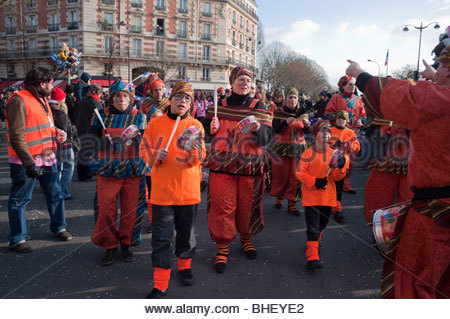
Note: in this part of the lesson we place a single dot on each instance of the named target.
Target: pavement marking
(366, 292)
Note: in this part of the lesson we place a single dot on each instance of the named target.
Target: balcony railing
(107, 27)
(109, 2)
(246, 9)
(31, 28)
(207, 79)
(241, 46)
(10, 30)
(246, 48)
(159, 30)
(72, 1)
(182, 56)
(137, 53)
(158, 7)
(182, 34)
(233, 42)
(52, 2)
(53, 27)
(206, 36)
(136, 4)
(253, 51)
(206, 58)
(182, 10)
(136, 29)
(72, 25)
(207, 14)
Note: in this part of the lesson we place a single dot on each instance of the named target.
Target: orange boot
(312, 255)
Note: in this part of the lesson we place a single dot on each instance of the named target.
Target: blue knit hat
(118, 86)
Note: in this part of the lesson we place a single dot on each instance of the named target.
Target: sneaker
(22, 248)
(187, 278)
(108, 257)
(157, 294)
(314, 264)
(338, 217)
(64, 235)
(220, 267)
(127, 255)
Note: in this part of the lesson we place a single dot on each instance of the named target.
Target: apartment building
(195, 40)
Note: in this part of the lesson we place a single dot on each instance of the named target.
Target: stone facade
(197, 40)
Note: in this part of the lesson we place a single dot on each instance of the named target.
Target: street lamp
(122, 24)
(436, 26)
(376, 64)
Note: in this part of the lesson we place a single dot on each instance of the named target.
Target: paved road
(72, 270)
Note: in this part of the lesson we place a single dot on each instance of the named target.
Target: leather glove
(321, 183)
(32, 171)
(340, 162)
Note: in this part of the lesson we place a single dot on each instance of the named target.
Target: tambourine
(129, 133)
(245, 125)
(187, 138)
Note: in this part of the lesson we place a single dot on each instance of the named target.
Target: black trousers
(166, 219)
(316, 218)
(84, 172)
(339, 186)
(148, 180)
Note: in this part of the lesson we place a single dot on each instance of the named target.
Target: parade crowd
(145, 149)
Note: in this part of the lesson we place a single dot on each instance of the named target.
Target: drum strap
(434, 208)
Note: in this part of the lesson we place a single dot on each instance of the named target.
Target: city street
(72, 269)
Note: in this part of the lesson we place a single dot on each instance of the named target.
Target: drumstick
(173, 132)
(215, 102)
(103, 124)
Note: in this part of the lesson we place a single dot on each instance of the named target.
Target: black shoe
(68, 198)
(251, 254)
(22, 248)
(64, 236)
(339, 217)
(127, 255)
(157, 294)
(350, 191)
(220, 267)
(149, 229)
(314, 264)
(187, 278)
(108, 258)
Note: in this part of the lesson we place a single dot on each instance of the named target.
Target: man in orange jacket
(32, 138)
(175, 191)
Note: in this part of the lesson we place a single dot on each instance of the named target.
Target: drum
(129, 133)
(244, 125)
(383, 223)
(189, 135)
(334, 158)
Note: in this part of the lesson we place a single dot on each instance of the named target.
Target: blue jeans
(20, 195)
(65, 164)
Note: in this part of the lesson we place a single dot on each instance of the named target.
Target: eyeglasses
(181, 96)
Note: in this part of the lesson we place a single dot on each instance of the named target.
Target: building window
(182, 27)
(30, 4)
(53, 23)
(240, 58)
(206, 53)
(53, 44)
(32, 47)
(52, 2)
(241, 42)
(11, 48)
(108, 2)
(108, 45)
(183, 6)
(136, 24)
(241, 22)
(159, 49)
(72, 23)
(72, 1)
(247, 29)
(205, 75)
(31, 24)
(108, 67)
(137, 52)
(233, 38)
(159, 26)
(182, 72)
(136, 3)
(234, 17)
(207, 9)
(160, 5)
(107, 21)
(10, 25)
(206, 32)
(73, 41)
(232, 56)
(182, 51)
(11, 70)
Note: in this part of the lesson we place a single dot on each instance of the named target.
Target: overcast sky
(330, 31)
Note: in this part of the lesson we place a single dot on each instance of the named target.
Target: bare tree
(405, 72)
(282, 66)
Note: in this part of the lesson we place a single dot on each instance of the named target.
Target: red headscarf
(237, 72)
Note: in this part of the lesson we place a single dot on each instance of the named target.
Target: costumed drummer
(347, 101)
(236, 162)
(175, 191)
(120, 171)
(154, 92)
(286, 150)
(318, 174)
(418, 260)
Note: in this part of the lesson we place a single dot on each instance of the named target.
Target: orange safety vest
(39, 126)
